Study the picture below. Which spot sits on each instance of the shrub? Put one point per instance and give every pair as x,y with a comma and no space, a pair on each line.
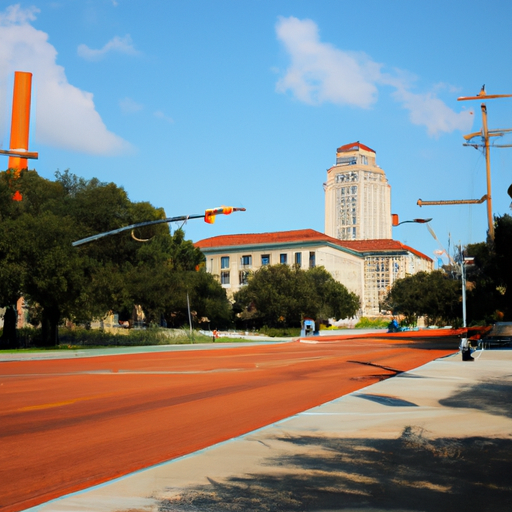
135,337
371,323
284,332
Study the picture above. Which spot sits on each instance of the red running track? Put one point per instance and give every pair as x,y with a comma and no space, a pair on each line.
68,424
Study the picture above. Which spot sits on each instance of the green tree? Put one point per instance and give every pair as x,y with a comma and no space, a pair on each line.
503,255
281,296
163,273
11,279
332,298
151,268
490,293
55,275
22,226
431,294
207,300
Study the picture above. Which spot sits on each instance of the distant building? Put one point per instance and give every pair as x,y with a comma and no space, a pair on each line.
357,247
357,196
366,267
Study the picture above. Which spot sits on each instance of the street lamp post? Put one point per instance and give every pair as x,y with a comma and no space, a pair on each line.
465,262
464,344
395,222
208,216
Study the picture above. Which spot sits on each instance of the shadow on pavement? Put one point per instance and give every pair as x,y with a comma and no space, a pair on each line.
492,397
410,473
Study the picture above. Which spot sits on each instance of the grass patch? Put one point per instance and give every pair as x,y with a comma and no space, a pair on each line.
79,339
76,339
134,337
221,339
284,332
371,323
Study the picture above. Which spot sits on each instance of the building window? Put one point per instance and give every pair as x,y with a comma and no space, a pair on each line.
283,259
224,262
265,259
246,261
243,277
224,277
312,259
350,160
298,258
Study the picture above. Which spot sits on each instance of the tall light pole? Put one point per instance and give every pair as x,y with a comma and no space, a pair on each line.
465,261
208,216
463,273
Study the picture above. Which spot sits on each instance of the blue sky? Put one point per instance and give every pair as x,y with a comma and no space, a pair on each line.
196,104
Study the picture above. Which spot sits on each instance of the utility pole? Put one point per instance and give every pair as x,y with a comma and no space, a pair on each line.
486,134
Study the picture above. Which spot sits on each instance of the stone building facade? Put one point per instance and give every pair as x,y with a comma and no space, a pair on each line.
357,196
366,267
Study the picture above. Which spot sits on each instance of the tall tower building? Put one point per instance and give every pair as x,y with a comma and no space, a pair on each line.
357,196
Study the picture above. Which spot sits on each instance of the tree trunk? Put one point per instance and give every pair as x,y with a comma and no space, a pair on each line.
9,338
50,326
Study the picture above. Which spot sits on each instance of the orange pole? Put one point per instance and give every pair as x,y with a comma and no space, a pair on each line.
490,219
20,118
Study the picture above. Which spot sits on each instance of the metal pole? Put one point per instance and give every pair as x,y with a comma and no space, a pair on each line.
189,317
488,171
209,215
133,226
20,118
463,269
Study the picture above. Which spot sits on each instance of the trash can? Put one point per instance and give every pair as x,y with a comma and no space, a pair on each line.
308,327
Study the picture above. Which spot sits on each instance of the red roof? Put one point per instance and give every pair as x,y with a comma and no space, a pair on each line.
383,244
300,235
305,235
353,147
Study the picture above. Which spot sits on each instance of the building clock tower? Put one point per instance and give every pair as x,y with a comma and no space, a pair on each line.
357,196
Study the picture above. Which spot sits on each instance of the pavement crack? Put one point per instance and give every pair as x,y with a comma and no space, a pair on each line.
387,368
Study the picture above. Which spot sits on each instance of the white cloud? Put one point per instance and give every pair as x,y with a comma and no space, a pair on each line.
129,106
319,73
163,116
427,110
116,44
65,115
15,14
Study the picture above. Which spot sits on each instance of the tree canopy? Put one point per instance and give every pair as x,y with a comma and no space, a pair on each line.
438,295
433,295
490,288
38,261
281,296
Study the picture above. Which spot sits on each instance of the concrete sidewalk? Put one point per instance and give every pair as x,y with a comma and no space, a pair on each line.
432,439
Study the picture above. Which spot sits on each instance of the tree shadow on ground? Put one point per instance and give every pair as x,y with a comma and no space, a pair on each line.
411,473
491,396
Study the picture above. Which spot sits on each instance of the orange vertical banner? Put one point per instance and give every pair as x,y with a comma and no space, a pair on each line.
20,118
